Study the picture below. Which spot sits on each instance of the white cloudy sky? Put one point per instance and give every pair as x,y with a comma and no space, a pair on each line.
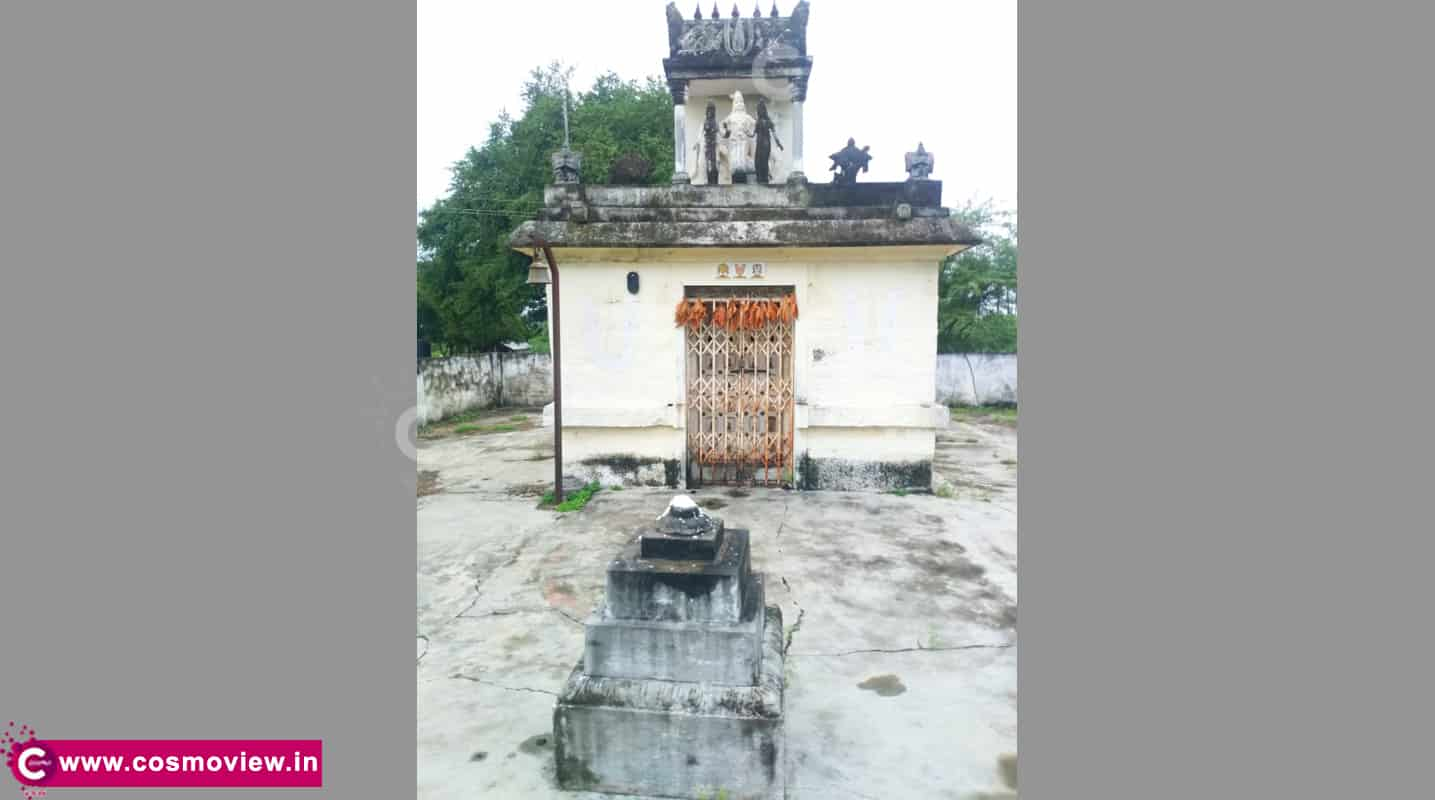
888,72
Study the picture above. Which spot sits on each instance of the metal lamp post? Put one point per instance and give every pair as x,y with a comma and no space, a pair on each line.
544,269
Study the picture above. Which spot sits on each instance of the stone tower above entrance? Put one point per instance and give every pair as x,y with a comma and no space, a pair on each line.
738,84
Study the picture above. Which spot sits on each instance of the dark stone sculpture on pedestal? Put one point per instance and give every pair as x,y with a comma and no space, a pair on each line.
710,143
766,136
848,161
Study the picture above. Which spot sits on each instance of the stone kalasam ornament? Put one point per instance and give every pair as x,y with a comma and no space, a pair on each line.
738,129
766,137
848,161
919,164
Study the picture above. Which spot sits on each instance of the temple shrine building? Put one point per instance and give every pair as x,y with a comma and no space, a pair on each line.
752,323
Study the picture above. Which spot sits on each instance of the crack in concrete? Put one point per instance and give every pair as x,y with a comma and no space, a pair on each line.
426,648
501,686
505,612
792,631
478,587
917,649
778,537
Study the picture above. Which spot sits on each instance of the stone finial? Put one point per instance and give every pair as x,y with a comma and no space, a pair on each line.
715,14
698,11
735,13
919,164
773,12
675,27
757,9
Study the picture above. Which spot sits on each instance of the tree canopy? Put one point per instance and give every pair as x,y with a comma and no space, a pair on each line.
472,292
976,311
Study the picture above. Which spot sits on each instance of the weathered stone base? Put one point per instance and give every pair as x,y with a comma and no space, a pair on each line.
727,654
841,474
672,739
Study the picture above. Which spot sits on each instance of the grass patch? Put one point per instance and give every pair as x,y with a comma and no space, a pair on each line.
478,420
1010,462
898,492
469,427
574,501
617,487
999,415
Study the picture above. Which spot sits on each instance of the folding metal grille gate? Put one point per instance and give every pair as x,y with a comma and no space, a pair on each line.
739,396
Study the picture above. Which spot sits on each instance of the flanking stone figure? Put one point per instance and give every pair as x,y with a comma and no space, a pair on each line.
766,136
848,161
919,164
680,689
706,151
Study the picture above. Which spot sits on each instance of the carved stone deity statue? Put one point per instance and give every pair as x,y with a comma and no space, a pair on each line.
848,161
920,163
766,136
738,129
710,143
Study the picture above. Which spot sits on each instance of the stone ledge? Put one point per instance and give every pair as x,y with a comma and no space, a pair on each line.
768,233
920,416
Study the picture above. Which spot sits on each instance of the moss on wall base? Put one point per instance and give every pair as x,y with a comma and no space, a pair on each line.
626,469
842,474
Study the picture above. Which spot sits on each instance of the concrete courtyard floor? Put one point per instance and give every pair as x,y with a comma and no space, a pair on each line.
902,667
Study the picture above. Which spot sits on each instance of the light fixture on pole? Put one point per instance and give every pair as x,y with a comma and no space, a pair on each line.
538,270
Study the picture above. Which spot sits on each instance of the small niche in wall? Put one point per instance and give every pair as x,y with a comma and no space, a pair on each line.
632,283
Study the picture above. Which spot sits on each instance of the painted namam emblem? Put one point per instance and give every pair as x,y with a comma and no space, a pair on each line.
742,270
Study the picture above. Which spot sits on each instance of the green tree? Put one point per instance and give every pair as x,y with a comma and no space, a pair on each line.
472,292
976,310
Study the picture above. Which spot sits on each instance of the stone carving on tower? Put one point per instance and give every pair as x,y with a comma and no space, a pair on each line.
738,130
730,60
736,36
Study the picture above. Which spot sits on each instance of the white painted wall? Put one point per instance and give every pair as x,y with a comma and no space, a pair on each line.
865,342
968,379
449,386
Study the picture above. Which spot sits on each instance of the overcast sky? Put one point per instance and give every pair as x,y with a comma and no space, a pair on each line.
887,72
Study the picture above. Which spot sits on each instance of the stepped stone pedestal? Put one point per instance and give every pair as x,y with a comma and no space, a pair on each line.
680,690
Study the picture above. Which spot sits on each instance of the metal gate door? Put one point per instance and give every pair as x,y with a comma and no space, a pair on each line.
739,393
